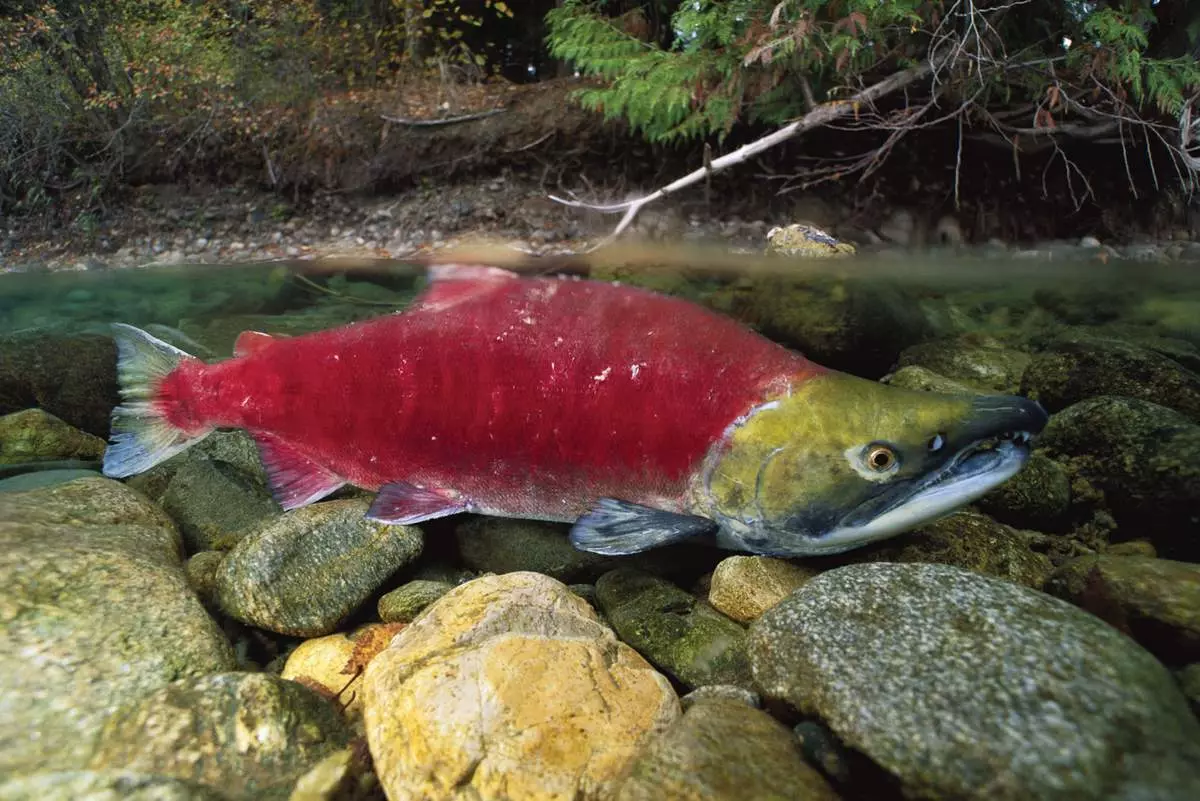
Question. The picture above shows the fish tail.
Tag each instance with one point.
(141, 434)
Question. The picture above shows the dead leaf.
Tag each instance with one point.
(369, 642)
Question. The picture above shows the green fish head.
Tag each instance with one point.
(841, 461)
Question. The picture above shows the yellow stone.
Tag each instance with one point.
(323, 660)
(743, 587)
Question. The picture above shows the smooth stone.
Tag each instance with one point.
(104, 785)
(720, 692)
(724, 750)
(73, 378)
(344, 775)
(743, 587)
(921, 379)
(43, 478)
(403, 604)
(1038, 497)
(683, 637)
(510, 687)
(981, 363)
(500, 545)
(96, 612)
(332, 664)
(34, 435)
(201, 571)
(303, 572)
(969, 687)
(235, 448)
(1189, 682)
(1155, 601)
(248, 735)
(215, 504)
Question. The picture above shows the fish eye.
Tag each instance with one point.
(937, 443)
(881, 458)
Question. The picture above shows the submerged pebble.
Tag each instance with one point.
(979, 363)
(502, 545)
(743, 587)
(33, 435)
(403, 604)
(215, 504)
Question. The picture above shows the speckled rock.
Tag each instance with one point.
(305, 571)
(95, 613)
(215, 504)
(802, 239)
(1077, 367)
(969, 540)
(500, 545)
(967, 687)
(39, 479)
(73, 378)
(32, 435)
(1155, 601)
(510, 687)
(330, 664)
(726, 693)
(743, 587)
(1037, 498)
(683, 637)
(201, 571)
(1189, 682)
(981, 363)
(104, 785)
(1141, 457)
(344, 775)
(404, 603)
(724, 751)
(234, 448)
(922, 379)
(248, 735)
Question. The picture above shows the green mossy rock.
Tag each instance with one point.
(502, 545)
(73, 378)
(1038, 497)
(215, 504)
(33, 435)
(922, 379)
(403, 604)
(981, 363)
(104, 785)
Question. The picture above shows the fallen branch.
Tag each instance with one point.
(479, 115)
(821, 115)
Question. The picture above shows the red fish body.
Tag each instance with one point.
(517, 397)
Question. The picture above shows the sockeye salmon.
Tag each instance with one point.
(643, 419)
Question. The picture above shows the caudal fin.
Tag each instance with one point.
(141, 436)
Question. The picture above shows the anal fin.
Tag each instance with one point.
(295, 479)
(404, 504)
(619, 528)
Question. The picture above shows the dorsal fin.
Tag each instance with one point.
(249, 342)
(454, 283)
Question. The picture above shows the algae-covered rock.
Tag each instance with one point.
(344, 775)
(248, 735)
(95, 613)
(1155, 601)
(1037, 498)
(1189, 682)
(33, 435)
(104, 785)
(403, 604)
(73, 378)
(235, 448)
(510, 687)
(724, 751)
(802, 239)
(305, 571)
(981, 363)
(201, 571)
(682, 637)
(215, 504)
(1142, 458)
(968, 687)
(743, 587)
(39, 479)
(725, 693)
(1077, 367)
(502, 545)
(922, 379)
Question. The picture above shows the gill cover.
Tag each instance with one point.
(842, 461)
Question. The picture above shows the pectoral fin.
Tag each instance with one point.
(618, 528)
(404, 504)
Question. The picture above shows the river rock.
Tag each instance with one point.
(247, 735)
(33, 435)
(725, 693)
(964, 686)
(215, 504)
(500, 545)
(1155, 601)
(921, 379)
(743, 587)
(1077, 367)
(1189, 682)
(39, 479)
(201, 571)
(104, 785)
(1141, 457)
(510, 687)
(305, 571)
(1038, 497)
(981, 363)
(403, 604)
(344, 775)
(234, 448)
(683, 637)
(723, 750)
(95, 613)
(330, 664)
(73, 378)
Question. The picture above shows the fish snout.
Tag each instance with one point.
(1006, 417)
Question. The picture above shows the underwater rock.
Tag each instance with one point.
(38, 479)
(305, 571)
(724, 751)
(1142, 457)
(1155, 601)
(403, 604)
(802, 239)
(1076, 367)
(968, 540)
(248, 735)
(344, 775)
(743, 587)
(963, 686)
(725, 693)
(201, 571)
(510, 687)
(33, 435)
(330, 664)
(1189, 682)
(215, 504)
(981, 363)
(924, 380)
(73, 378)
(96, 613)
(683, 637)
(504, 545)
(104, 785)
(1037, 498)
(236, 448)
